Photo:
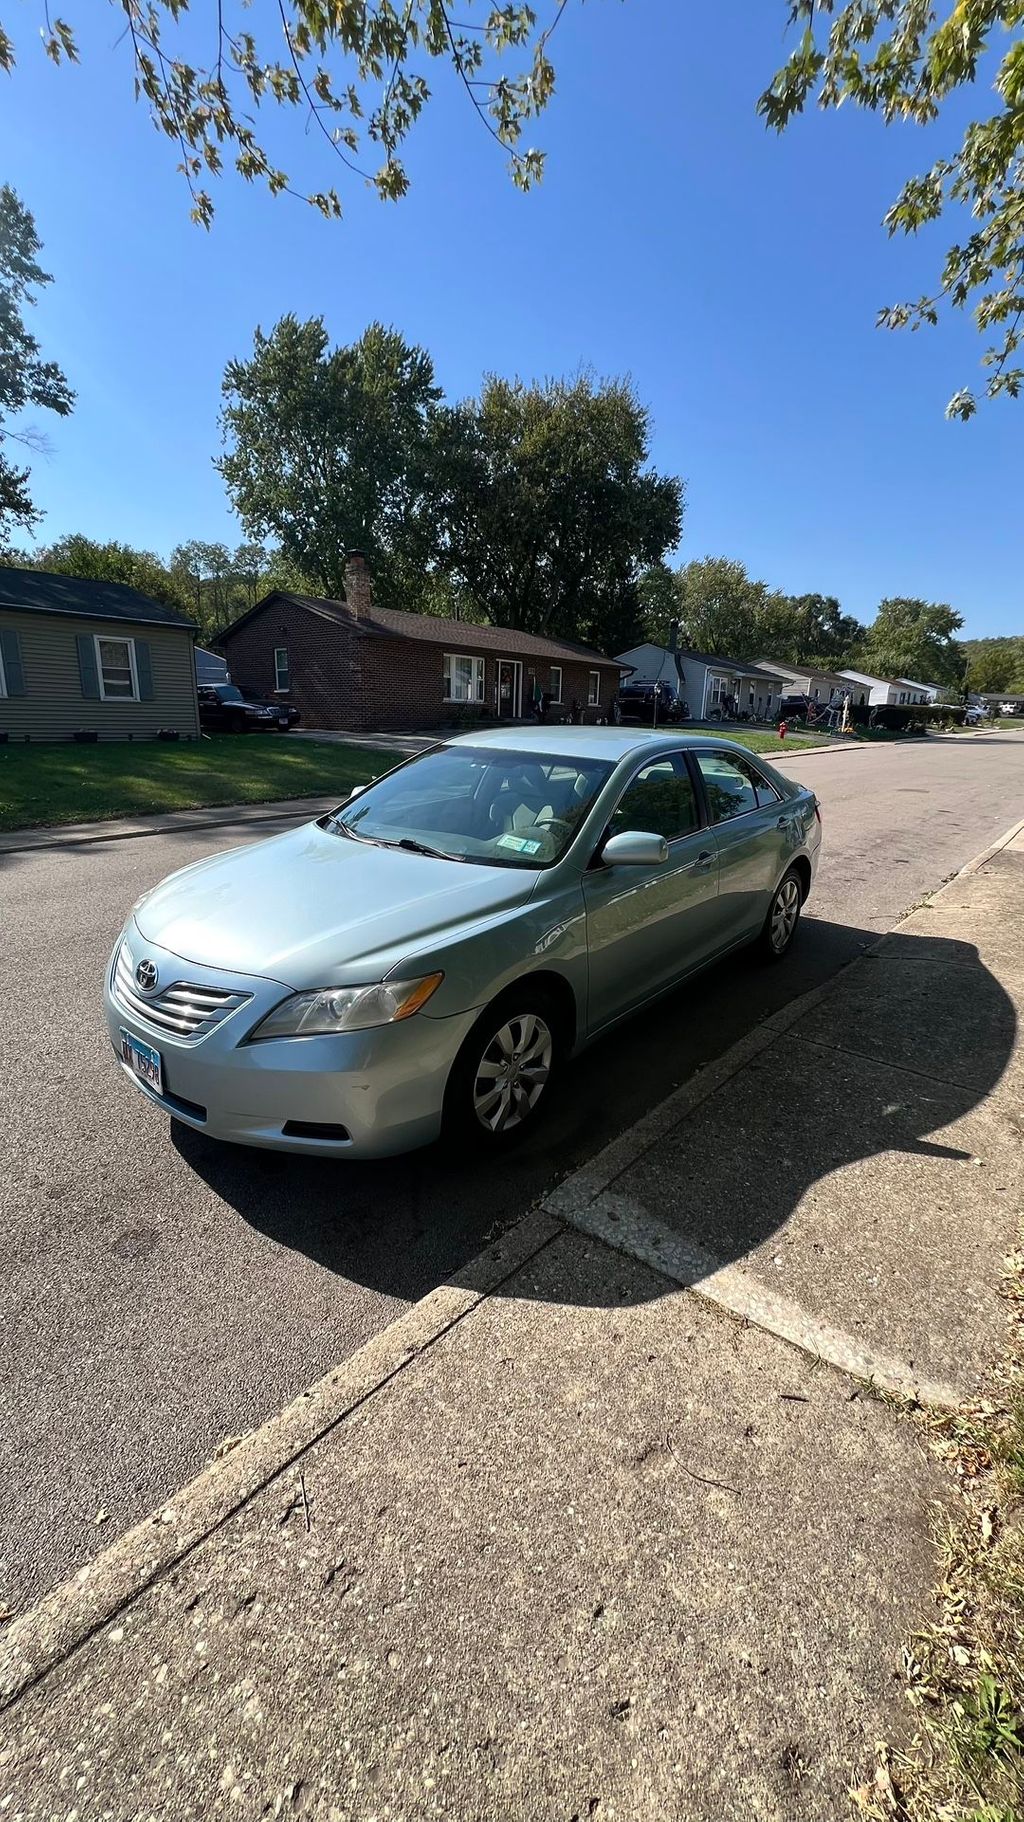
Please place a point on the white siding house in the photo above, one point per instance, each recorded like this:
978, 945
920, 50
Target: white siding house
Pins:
708, 682
896, 692
826, 687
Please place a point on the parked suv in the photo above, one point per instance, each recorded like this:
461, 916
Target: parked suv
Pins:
656, 703
223, 709
286, 715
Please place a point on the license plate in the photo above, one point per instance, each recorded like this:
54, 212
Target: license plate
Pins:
282, 721
144, 1060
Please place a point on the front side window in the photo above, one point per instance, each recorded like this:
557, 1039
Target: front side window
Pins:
463, 678
594, 696
282, 672
115, 663
556, 683
495, 807
660, 801
733, 787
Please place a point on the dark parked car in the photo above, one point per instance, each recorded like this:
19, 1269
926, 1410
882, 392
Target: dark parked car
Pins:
287, 716
223, 709
653, 703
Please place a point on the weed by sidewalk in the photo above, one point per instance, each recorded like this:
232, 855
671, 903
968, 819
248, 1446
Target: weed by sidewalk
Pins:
965, 1674
43, 784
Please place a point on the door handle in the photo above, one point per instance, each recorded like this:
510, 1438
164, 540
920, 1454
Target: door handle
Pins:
784, 822
704, 862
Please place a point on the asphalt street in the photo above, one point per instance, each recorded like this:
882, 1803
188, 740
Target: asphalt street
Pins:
162, 1293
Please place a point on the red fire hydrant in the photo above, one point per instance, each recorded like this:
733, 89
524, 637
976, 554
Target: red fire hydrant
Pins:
783, 729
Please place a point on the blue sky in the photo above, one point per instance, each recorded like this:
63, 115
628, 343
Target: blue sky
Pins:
734, 275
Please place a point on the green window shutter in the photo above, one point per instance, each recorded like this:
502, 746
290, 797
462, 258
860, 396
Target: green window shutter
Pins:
144, 670
14, 670
87, 667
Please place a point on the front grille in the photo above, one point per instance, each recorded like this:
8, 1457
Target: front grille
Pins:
185, 1009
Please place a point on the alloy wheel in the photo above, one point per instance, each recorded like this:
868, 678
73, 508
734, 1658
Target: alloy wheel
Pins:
785, 912
513, 1073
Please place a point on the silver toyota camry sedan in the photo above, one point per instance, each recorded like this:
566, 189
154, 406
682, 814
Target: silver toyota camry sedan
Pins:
427, 955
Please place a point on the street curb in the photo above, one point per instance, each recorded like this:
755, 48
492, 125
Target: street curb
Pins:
37, 1641
987, 854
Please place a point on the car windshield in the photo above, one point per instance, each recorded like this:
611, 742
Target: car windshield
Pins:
229, 693
496, 808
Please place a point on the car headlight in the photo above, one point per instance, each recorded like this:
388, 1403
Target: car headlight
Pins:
308, 1015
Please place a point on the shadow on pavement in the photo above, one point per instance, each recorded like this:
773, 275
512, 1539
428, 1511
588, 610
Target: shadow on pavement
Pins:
404, 1225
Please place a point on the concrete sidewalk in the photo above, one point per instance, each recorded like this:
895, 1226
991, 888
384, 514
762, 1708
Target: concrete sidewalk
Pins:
612, 1526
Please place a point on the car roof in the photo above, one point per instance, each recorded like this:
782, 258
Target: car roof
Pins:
608, 743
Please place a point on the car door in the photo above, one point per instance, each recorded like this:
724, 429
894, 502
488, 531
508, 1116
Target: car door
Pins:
754, 831
648, 926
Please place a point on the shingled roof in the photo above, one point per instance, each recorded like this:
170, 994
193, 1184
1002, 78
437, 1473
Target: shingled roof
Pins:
460, 635
37, 591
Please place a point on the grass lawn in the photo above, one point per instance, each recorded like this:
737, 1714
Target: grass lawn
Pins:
41, 785
69, 783
769, 744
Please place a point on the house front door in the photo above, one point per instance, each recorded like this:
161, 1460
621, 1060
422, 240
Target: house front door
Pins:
510, 674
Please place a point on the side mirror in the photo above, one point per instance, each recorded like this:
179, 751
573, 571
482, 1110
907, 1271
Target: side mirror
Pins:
635, 848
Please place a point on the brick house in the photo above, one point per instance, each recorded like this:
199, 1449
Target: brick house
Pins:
349, 664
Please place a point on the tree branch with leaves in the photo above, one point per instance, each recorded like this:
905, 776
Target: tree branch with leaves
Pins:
26, 379
903, 59
359, 69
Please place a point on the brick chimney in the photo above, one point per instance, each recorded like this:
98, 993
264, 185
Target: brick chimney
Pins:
358, 587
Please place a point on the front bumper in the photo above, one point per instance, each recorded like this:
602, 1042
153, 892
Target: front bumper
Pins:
384, 1087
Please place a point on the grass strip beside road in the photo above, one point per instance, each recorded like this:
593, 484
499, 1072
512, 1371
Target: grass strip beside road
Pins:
41, 785
768, 744
964, 1674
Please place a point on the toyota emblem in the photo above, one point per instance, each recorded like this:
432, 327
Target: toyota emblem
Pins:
146, 975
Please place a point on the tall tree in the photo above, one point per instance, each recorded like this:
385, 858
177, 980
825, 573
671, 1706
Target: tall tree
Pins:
551, 512
907, 60
328, 449
358, 69
26, 380
916, 639
810, 629
995, 664
721, 608
249, 567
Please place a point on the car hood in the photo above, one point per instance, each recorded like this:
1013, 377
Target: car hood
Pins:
313, 909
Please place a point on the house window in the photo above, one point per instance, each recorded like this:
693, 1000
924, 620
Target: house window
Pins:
463, 678
282, 673
594, 693
717, 690
3, 678
115, 667
556, 683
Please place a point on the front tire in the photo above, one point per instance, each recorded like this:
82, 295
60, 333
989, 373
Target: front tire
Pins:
501, 1079
780, 925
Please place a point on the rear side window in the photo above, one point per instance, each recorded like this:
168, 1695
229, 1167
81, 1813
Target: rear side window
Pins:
733, 787
660, 801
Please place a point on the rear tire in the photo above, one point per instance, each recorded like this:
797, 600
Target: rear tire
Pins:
501, 1079
780, 925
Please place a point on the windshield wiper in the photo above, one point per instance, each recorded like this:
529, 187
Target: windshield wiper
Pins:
419, 847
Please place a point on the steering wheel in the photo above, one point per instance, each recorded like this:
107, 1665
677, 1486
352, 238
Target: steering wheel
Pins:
557, 823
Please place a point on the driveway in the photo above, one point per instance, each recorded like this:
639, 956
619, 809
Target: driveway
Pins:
162, 1293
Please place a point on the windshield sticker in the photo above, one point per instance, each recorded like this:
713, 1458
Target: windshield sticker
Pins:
519, 844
